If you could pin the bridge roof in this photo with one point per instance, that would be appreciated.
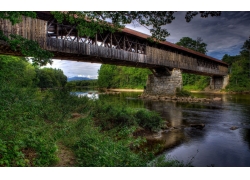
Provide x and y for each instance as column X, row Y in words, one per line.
column 166, row 43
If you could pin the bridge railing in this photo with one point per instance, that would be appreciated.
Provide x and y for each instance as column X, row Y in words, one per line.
column 65, row 46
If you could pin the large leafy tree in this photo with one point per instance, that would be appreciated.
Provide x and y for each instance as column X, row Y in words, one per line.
column 90, row 22
column 111, row 76
column 196, row 45
column 49, row 78
column 239, row 69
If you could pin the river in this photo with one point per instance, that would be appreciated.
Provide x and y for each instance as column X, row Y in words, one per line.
column 214, row 145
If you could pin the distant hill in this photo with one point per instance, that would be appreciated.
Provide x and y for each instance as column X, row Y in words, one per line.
column 76, row 78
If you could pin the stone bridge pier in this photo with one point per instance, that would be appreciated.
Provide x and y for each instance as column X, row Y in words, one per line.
column 163, row 83
column 219, row 82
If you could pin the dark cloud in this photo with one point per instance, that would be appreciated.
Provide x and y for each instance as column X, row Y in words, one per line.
column 223, row 35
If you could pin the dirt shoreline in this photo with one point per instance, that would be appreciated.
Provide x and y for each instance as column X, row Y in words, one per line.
column 141, row 90
column 204, row 92
column 210, row 92
column 127, row 90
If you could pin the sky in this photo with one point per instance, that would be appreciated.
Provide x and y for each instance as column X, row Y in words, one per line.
column 223, row 35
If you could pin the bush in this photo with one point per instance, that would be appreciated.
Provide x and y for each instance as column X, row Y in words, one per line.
column 109, row 115
column 97, row 149
column 149, row 120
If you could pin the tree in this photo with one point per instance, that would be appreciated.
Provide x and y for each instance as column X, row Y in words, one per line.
column 106, row 75
column 16, row 71
column 196, row 45
column 111, row 76
column 49, row 78
column 90, row 22
column 239, row 69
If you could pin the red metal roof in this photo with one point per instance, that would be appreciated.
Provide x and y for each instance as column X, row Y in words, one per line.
column 145, row 36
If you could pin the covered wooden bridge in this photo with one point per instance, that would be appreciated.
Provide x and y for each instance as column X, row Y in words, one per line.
column 126, row 48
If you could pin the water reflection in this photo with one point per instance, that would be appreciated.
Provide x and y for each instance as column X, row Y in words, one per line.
column 214, row 145
column 169, row 110
column 90, row 94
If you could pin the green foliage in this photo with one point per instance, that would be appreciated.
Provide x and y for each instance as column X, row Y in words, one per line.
column 33, row 122
column 110, row 115
column 182, row 93
column 149, row 120
column 230, row 59
column 239, row 80
column 162, row 161
column 82, row 83
column 111, row 76
column 196, row 45
column 50, row 78
column 24, row 138
column 90, row 22
column 16, row 16
column 87, row 23
column 194, row 82
column 16, row 70
column 96, row 149
column 113, row 115
column 28, row 48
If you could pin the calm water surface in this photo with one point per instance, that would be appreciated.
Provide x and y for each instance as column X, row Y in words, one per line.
column 214, row 145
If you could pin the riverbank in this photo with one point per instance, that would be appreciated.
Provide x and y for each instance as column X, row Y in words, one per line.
column 210, row 92
column 126, row 90
column 220, row 92
column 192, row 91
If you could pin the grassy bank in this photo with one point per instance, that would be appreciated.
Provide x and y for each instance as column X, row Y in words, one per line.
column 53, row 127
column 35, row 126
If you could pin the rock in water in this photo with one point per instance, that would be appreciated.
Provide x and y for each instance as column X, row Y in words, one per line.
column 198, row 126
column 217, row 99
column 234, row 127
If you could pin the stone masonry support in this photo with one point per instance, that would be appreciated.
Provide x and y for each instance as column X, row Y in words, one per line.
column 219, row 82
column 164, row 85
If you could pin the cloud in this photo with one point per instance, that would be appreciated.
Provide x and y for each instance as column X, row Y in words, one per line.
column 74, row 68
column 223, row 34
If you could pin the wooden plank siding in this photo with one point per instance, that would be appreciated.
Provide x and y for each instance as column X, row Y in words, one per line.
column 29, row 28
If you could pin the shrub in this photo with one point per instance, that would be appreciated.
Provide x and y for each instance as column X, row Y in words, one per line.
column 149, row 120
